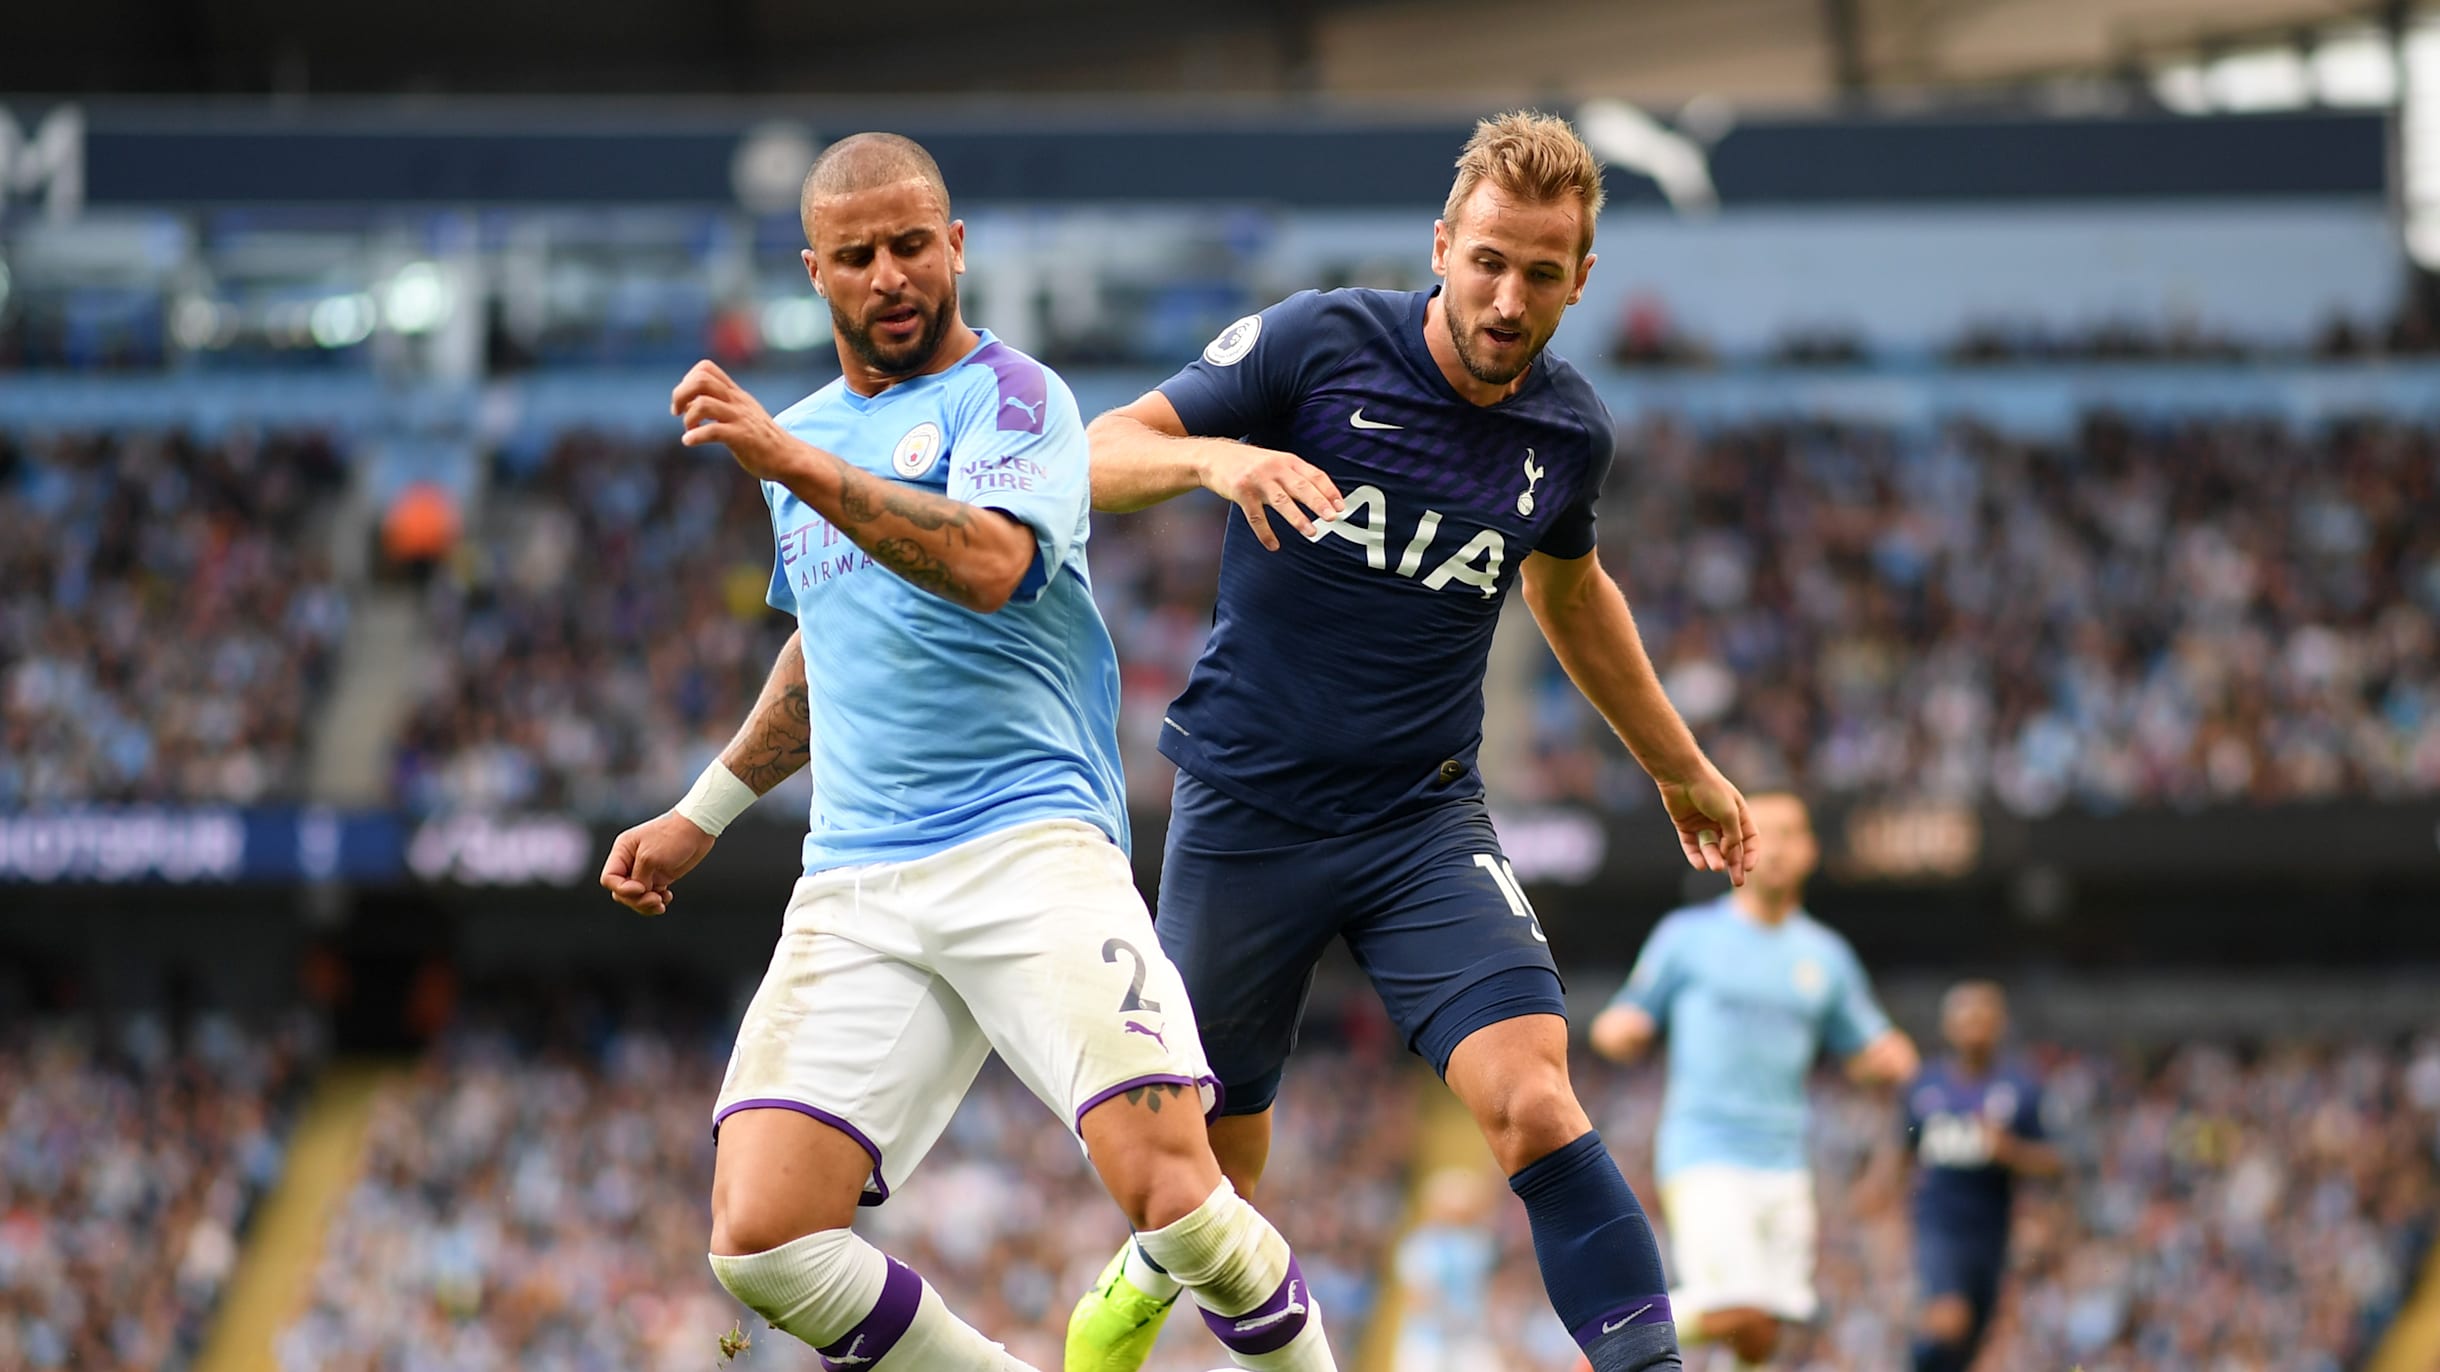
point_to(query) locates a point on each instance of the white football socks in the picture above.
(1252, 1294)
(859, 1307)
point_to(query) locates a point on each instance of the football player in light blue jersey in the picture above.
(966, 880)
(1750, 990)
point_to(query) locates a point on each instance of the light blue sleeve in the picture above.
(1031, 462)
(1660, 971)
(1854, 1018)
(781, 596)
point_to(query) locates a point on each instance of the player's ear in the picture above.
(813, 271)
(957, 247)
(1440, 247)
(1584, 272)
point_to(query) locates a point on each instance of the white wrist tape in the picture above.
(716, 798)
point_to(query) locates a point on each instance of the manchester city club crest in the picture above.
(917, 451)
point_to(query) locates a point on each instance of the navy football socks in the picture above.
(1599, 1260)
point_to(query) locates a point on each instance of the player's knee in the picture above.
(1531, 1117)
(809, 1274)
(1755, 1339)
(1946, 1320)
(1159, 1196)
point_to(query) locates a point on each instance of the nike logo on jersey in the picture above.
(1609, 1328)
(1358, 421)
(1262, 1322)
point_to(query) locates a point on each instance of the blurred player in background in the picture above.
(1444, 1267)
(1973, 1126)
(966, 881)
(1429, 454)
(1751, 990)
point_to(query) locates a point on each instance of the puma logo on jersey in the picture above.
(1032, 412)
(1152, 1034)
(1533, 478)
(1365, 523)
(848, 1358)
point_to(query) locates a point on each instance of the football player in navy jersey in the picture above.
(1973, 1126)
(1424, 454)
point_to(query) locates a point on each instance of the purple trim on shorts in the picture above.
(879, 1332)
(1164, 1079)
(880, 1189)
(1641, 1310)
(1022, 386)
(1270, 1326)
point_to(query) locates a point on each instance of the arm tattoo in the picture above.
(777, 738)
(776, 741)
(920, 567)
(864, 498)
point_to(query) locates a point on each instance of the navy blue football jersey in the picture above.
(1960, 1192)
(1343, 679)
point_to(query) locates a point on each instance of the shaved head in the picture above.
(868, 161)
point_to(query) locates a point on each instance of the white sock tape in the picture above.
(716, 798)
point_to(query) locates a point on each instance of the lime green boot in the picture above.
(1115, 1325)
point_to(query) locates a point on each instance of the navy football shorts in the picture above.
(1426, 902)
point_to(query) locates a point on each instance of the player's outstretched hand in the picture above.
(1713, 825)
(715, 409)
(1259, 479)
(649, 858)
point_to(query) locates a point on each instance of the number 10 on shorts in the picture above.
(1504, 876)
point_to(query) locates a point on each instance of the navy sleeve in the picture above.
(1251, 377)
(1572, 534)
(2029, 1111)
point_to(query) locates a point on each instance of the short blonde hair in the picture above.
(1533, 157)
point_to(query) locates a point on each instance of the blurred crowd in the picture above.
(2187, 612)
(600, 634)
(2221, 1213)
(548, 1211)
(166, 620)
(2182, 613)
(129, 1161)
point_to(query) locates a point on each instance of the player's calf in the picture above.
(1152, 1153)
(1599, 1260)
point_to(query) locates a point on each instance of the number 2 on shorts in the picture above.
(1135, 989)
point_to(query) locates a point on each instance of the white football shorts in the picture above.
(1741, 1238)
(893, 981)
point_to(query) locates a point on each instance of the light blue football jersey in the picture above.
(1747, 1008)
(933, 724)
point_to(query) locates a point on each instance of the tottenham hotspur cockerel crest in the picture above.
(1533, 478)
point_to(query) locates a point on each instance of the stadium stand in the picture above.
(605, 631)
(544, 1208)
(166, 621)
(129, 1161)
(2148, 613)
(2228, 1206)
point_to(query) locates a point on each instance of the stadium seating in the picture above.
(2172, 613)
(129, 1160)
(602, 636)
(167, 618)
(544, 1210)
(2248, 1209)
